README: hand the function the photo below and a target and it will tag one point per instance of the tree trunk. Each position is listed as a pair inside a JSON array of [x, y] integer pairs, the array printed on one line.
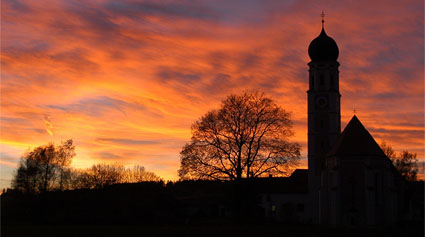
[[239, 165], [61, 180], [46, 174]]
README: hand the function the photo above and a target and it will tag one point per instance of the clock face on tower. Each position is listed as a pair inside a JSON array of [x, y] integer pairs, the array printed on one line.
[[322, 102]]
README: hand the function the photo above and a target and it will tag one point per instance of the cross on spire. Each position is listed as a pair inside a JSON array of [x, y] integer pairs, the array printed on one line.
[[354, 111], [323, 18]]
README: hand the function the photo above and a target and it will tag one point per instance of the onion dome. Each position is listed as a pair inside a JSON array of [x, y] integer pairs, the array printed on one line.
[[323, 48]]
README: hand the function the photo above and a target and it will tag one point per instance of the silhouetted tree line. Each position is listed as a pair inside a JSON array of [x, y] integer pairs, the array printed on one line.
[[183, 202], [146, 203], [100, 175], [47, 168]]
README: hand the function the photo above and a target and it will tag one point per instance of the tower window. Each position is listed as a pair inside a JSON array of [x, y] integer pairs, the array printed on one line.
[[322, 80], [312, 81], [332, 80]]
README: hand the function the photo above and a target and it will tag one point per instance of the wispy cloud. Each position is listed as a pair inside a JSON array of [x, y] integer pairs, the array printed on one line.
[[127, 141]]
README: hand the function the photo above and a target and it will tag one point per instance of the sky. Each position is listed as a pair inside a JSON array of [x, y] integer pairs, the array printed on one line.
[[126, 79]]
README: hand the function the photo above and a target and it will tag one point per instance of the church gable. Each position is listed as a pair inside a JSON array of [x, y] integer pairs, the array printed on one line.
[[355, 140]]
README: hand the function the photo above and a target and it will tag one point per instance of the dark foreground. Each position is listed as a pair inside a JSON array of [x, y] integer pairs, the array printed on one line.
[[205, 230], [192, 208]]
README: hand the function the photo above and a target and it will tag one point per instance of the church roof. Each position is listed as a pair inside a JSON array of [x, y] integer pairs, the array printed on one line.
[[356, 140]]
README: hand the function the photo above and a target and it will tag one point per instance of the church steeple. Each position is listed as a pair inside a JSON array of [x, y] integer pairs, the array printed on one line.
[[323, 47], [324, 119]]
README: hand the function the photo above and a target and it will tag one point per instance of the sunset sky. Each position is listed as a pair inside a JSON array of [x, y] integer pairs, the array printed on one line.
[[126, 79]]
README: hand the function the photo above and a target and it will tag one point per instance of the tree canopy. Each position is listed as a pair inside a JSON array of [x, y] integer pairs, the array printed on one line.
[[248, 136]]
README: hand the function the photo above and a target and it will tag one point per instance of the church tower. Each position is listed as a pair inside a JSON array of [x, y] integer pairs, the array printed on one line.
[[324, 117]]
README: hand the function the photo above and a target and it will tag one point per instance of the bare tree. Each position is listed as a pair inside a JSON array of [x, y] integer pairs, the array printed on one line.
[[406, 163], [65, 152], [79, 178], [100, 175], [389, 151], [247, 137], [27, 178], [139, 174], [47, 160], [41, 168]]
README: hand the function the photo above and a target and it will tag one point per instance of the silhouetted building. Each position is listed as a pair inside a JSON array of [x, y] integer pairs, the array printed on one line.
[[351, 181], [284, 198], [324, 116]]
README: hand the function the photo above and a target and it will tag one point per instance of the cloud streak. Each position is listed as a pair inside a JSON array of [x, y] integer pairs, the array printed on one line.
[[127, 141]]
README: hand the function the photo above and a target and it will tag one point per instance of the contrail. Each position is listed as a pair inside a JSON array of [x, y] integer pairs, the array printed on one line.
[[49, 125]]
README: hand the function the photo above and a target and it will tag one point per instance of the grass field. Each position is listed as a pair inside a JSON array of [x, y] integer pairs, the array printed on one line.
[[216, 230]]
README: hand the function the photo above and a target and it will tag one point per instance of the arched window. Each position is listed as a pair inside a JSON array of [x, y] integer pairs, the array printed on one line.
[[322, 80]]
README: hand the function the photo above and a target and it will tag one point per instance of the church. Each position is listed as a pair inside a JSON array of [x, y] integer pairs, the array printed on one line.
[[351, 182]]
